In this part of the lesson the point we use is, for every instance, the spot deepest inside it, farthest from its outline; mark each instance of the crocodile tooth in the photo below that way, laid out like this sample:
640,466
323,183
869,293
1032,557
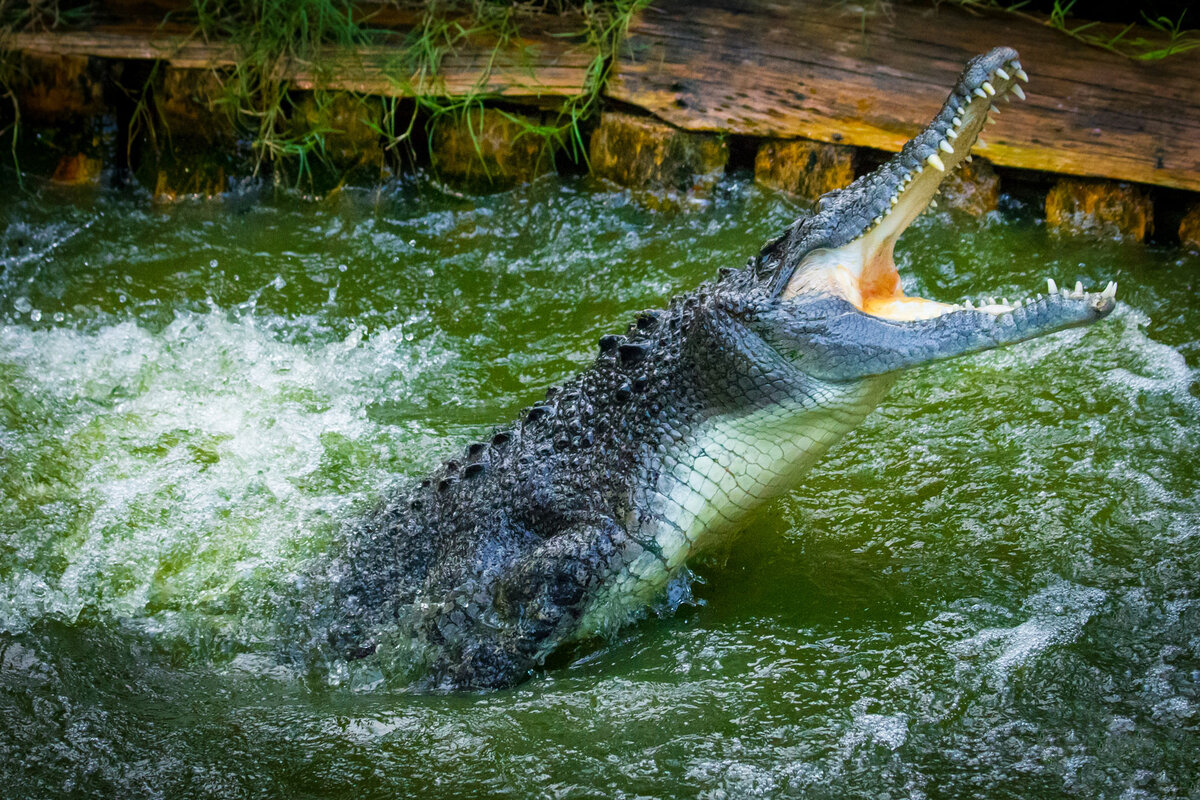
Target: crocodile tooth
968,303
1111,289
934,161
895,199
1021,74
932,203
952,134
980,93
945,146
991,121
1000,71
993,109
957,121
1051,286
1018,91
987,87
969,158
991,301
1078,287
979,141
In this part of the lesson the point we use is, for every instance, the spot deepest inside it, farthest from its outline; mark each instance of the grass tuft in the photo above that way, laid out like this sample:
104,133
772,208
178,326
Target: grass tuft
1174,38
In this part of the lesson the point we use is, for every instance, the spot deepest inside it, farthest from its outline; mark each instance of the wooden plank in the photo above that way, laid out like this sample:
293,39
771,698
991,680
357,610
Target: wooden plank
534,67
808,69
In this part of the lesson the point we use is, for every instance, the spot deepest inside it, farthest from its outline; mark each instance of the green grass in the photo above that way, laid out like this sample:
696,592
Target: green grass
272,36
1170,37
447,28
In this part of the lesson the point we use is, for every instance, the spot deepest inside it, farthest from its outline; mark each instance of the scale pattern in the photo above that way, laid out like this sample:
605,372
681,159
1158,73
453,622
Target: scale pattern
583,513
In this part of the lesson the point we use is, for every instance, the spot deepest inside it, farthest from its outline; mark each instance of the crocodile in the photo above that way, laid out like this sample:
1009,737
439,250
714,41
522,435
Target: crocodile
582,515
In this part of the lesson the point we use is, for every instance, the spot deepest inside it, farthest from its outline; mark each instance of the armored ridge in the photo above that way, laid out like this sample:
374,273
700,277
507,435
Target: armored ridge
497,554
578,517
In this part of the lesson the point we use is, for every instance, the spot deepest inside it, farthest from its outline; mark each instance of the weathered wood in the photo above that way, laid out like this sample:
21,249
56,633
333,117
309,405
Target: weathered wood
808,69
533,67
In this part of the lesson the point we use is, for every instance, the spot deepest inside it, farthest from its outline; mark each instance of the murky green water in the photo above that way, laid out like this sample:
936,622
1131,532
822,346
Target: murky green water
990,589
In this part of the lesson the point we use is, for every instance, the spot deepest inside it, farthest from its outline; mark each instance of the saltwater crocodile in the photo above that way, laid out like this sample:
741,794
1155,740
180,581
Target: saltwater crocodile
582,514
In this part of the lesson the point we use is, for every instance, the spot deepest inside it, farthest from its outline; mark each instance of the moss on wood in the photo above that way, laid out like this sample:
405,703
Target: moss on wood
654,157
802,168
488,150
1102,208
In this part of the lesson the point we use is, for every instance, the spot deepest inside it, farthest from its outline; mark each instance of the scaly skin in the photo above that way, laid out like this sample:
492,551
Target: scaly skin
579,516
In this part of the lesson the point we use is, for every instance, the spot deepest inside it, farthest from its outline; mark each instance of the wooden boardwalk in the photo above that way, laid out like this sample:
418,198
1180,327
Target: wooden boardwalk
813,70
808,68
542,68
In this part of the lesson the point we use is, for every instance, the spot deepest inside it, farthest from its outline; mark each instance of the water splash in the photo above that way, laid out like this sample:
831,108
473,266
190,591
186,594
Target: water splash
988,589
185,467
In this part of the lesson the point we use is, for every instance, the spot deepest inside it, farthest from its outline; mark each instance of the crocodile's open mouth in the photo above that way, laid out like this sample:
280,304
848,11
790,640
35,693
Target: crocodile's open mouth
863,271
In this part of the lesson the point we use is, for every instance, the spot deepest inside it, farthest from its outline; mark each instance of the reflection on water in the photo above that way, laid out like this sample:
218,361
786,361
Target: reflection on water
986,590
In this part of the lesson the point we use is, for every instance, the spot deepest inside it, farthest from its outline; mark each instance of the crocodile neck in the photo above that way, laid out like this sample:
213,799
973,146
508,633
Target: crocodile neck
693,496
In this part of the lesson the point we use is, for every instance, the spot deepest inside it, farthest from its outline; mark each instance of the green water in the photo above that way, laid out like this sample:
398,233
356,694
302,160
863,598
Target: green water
990,589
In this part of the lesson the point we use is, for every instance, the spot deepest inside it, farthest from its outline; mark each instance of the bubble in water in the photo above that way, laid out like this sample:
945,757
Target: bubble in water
35,315
213,263
279,283
23,305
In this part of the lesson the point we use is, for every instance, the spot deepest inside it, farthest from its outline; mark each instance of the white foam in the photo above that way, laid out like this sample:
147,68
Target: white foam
194,459
1057,614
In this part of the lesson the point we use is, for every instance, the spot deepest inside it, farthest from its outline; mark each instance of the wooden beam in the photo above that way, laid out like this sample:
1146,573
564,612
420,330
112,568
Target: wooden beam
820,71
535,67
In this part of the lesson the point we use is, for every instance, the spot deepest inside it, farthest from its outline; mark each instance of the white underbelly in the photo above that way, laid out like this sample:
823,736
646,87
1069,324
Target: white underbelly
709,487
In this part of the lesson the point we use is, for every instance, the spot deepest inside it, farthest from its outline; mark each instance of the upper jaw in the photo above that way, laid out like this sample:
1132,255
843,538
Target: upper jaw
854,232
906,184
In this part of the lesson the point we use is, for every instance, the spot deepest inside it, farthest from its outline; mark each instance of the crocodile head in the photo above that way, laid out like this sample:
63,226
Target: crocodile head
835,306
